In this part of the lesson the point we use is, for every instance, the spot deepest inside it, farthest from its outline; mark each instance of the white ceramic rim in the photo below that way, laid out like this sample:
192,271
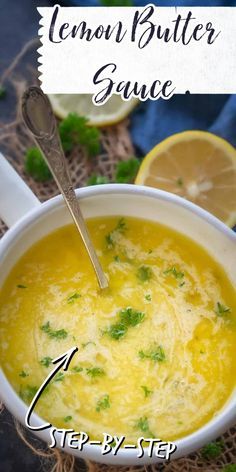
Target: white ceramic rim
222,421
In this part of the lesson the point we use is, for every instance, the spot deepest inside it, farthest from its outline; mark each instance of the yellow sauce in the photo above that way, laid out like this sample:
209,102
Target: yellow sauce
174,366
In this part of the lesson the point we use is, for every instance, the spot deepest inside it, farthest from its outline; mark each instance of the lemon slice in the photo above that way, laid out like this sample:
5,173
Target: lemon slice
198,166
113,111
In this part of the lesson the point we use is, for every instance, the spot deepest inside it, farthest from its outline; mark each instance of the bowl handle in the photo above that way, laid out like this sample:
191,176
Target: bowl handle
16,199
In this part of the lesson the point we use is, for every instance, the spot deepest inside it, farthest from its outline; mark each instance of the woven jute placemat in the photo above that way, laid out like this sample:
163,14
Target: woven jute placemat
116,145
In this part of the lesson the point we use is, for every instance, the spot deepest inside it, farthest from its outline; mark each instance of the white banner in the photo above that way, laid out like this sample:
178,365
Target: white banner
149,52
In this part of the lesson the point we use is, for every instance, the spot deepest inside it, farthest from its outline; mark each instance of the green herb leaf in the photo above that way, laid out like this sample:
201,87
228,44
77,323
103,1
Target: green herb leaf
146,390
21,286
117,259
144,273
212,450
156,354
28,393
173,271
23,374
57,334
67,418
2,92
130,317
74,131
46,361
121,227
36,166
73,297
97,180
77,369
148,297
222,309
126,171
103,403
142,424
117,330
59,377
95,371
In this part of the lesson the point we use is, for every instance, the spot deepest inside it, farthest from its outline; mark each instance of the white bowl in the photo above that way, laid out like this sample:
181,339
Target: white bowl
141,202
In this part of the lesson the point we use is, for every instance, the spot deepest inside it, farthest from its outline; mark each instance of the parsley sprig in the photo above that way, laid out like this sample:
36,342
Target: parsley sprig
128,317
156,354
74,131
46,361
103,403
177,274
121,227
95,371
146,391
36,166
143,425
57,334
144,273
221,309
126,170
212,450
71,299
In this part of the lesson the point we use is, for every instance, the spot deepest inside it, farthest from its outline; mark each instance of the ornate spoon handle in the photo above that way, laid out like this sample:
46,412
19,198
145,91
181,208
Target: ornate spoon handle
39,118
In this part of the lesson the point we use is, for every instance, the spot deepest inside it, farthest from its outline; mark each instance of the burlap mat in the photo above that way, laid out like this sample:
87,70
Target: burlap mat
116,145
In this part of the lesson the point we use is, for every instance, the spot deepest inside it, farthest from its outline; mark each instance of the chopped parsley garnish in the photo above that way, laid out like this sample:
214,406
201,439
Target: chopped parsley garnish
21,286
103,403
23,374
73,297
67,418
146,391
131,317
117,259
120,228
57,334
148,297
117,330
173,271
46,361
95,371
212,450
59,377
144,273
77,369
221,309
28,393
128,317
143,425
156,354
97,180
36,166
74,131
126,170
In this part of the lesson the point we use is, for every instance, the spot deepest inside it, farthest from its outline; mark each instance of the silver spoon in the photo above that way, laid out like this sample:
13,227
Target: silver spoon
40,120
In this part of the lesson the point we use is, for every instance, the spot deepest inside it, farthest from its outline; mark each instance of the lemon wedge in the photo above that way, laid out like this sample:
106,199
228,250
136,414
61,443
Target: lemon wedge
113,111
198,166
